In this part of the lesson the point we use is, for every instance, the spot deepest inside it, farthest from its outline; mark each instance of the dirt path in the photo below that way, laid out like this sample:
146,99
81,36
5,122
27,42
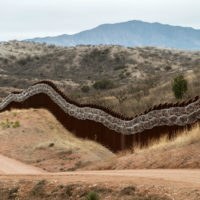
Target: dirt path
175,183
11,166
187,177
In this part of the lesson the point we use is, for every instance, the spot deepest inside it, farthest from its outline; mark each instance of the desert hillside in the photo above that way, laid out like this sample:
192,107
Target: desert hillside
128,80
35,137
180,152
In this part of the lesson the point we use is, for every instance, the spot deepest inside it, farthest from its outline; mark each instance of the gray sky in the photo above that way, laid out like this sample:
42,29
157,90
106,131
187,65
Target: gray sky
20,19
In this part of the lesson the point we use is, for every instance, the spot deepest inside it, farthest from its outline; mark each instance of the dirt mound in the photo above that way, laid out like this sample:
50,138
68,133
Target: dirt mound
35,137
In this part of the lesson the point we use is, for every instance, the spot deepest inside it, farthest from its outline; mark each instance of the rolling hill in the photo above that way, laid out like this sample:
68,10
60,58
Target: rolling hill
133,79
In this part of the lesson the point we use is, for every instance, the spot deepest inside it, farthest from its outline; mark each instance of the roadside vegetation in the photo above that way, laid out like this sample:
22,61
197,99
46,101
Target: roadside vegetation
92,196
9,124
46,190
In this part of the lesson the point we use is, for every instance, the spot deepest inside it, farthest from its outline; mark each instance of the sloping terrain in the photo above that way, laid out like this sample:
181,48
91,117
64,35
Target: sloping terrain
35,137
11,166
128,80
100,124
180,152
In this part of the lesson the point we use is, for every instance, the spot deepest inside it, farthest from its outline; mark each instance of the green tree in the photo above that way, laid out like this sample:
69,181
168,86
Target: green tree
179,86
92,196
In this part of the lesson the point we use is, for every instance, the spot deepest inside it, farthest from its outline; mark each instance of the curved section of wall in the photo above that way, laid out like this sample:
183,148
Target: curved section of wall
101,124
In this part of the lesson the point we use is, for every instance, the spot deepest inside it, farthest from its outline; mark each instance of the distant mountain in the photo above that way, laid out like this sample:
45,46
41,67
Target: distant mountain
131,34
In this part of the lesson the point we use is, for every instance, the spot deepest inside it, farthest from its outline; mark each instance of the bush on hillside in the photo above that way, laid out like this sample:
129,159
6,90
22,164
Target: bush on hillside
179,86
92,196
85,89
103,84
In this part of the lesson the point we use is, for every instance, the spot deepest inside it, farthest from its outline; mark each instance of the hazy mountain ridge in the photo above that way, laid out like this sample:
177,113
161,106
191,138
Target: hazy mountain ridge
131,34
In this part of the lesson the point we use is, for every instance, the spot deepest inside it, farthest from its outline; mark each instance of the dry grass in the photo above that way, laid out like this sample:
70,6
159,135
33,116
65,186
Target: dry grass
180,152
183,138
46,189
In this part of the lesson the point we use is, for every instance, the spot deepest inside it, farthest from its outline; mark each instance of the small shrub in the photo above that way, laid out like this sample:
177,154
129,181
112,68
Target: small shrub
52,46
5,124
130,190
16,124
38,189
119,67
22,61
122,75
92,196
14,114
103,84
128,73
85,89
67,191
168,68
10,124
13,192
51,144
179,86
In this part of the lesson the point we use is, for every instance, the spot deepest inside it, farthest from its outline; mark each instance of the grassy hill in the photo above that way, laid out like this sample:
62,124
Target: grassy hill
128,80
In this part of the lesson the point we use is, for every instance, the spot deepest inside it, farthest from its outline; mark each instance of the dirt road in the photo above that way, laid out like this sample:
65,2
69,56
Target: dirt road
175,183
11,166
185,177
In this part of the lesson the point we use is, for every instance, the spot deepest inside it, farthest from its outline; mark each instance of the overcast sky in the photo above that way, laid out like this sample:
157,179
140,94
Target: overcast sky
21,19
